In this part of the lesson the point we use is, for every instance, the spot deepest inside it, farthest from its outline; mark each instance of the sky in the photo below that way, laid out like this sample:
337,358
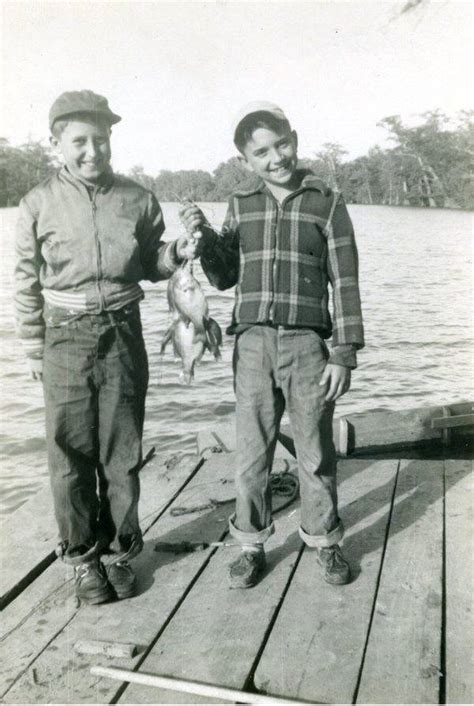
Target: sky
177,72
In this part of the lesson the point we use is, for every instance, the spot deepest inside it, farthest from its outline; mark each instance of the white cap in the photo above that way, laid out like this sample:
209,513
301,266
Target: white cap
256,107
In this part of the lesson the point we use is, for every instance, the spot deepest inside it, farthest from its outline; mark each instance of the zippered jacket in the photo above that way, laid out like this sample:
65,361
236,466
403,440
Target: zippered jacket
84,249
282,258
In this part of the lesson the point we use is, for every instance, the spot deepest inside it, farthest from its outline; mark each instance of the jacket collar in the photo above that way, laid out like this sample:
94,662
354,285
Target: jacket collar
307,181
103,184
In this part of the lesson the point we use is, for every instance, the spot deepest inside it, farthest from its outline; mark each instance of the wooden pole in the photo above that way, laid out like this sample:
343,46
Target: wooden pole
189,687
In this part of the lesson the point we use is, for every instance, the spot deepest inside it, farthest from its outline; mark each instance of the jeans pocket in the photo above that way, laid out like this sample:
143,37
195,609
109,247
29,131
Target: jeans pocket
249,363
311,361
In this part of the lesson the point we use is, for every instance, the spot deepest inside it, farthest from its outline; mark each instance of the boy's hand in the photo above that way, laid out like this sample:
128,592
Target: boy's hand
337,379
188,246
192,217
36,368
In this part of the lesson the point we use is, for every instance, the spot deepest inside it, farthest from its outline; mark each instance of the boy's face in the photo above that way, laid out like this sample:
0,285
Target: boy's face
272,156
85,147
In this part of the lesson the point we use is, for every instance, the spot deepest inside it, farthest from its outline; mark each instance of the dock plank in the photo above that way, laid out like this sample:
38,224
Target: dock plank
216,634
47,605
403,657
29,546
459,633
25,543
316,646
58,675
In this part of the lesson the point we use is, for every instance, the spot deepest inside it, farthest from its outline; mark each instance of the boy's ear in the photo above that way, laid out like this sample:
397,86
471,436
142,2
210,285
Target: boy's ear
54,142
244,163
294,135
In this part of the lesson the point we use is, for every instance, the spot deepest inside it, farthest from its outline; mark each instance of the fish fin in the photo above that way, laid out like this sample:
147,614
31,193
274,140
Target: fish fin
213,336
167,338
216,330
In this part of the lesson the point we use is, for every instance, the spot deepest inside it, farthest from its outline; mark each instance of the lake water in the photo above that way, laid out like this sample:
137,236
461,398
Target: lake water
416,285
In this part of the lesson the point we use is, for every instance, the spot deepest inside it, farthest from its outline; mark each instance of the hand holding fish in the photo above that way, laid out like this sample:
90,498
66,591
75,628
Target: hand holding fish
188,246
192,218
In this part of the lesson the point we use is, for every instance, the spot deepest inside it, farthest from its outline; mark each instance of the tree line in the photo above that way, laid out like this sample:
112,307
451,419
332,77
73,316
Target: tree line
430,164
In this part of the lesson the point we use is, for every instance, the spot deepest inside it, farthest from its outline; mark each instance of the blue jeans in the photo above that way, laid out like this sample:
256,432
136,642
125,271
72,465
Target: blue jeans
274,368
95,379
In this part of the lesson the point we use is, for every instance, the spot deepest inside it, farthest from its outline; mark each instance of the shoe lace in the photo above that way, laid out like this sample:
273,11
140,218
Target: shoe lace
82,570
333,555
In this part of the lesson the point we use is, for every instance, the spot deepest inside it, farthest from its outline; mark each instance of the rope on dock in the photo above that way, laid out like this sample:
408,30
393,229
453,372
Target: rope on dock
283,484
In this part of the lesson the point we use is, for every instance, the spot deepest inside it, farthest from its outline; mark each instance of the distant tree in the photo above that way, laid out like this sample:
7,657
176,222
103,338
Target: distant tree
195,185
433,158
137,173
356,181
330,157
23,167
231,176
430,164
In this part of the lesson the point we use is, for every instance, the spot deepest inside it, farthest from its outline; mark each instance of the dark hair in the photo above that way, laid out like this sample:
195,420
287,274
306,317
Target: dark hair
252,122
60,124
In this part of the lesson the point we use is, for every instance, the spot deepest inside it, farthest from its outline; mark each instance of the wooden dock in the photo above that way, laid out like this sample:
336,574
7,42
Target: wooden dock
401,632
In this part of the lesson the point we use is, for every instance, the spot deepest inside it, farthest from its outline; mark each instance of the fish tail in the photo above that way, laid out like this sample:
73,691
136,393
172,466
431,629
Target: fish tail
187,376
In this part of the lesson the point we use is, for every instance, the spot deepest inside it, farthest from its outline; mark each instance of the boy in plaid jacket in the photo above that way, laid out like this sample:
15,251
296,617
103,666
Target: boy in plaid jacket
282,243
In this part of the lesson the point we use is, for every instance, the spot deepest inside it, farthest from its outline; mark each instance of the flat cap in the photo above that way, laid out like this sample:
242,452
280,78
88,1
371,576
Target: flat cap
81,102
257,107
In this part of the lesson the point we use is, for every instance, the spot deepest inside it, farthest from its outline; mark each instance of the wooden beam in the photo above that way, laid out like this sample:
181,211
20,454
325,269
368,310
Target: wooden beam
462,420
189,687
403,657
459,631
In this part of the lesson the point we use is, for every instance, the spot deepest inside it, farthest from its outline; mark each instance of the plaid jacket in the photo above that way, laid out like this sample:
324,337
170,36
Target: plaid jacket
281,257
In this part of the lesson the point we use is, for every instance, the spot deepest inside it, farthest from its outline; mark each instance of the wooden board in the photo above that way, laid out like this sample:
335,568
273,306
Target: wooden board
29,535
216,634
47,605
62,676
316,646
217,439
459,633
403,657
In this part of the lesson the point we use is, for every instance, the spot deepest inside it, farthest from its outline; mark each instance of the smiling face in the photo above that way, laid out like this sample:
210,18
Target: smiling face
272,156
85,147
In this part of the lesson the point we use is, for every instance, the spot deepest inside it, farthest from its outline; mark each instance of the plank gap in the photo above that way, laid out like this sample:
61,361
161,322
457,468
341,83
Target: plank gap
35,657
199,465
442,673
36,571
28,579
123,687
249,682
377,585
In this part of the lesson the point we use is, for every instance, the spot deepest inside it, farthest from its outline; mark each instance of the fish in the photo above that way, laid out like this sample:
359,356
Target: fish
192,330
186,297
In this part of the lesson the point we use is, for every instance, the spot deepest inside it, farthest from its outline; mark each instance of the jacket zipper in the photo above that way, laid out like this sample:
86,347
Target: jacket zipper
98,254
271,312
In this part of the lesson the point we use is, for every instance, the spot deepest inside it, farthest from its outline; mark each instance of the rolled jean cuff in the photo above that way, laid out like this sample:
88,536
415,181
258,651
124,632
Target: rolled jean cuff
323,540
250,537
135,548
61,551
